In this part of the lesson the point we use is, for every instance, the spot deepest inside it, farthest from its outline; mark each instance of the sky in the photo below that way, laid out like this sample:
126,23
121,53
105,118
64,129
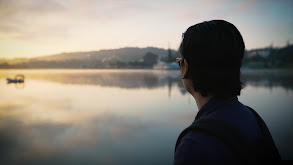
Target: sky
30,28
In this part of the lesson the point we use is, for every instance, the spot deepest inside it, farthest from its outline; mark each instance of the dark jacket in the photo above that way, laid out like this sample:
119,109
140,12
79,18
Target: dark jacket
198,147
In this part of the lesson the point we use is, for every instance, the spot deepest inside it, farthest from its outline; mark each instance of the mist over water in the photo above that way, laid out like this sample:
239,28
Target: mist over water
119,116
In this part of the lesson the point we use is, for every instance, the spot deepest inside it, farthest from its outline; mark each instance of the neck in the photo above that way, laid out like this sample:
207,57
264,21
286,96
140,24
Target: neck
200,100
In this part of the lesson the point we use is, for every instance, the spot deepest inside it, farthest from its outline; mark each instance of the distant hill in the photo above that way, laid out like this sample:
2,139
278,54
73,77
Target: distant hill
123,54
129,57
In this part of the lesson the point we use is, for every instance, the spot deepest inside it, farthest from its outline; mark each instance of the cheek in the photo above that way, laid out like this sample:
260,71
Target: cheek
188,85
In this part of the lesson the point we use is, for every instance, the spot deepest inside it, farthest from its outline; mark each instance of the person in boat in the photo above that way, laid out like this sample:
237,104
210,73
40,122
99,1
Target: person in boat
211,55
18,79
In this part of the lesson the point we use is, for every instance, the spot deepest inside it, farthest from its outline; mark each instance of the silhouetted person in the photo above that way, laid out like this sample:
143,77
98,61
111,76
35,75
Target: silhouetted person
224,131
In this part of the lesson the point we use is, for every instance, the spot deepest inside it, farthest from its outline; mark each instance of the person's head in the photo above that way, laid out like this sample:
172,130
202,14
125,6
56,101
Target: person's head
212,53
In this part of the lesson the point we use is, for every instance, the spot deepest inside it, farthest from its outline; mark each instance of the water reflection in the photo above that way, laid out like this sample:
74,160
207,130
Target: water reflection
149,79
17,85
129,79
118,116
269,78
112,78
96,141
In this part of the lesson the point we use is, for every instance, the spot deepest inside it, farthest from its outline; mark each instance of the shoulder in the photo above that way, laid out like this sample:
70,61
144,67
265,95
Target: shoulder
190,151
239,116
203,148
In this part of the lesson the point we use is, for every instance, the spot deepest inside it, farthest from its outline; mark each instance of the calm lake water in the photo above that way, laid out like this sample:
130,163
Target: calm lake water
119,116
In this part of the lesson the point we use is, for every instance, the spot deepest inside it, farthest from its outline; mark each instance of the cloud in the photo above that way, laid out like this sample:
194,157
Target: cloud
32,19
35,19
53,26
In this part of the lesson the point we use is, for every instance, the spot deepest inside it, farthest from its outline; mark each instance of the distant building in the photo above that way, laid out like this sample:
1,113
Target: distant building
258,52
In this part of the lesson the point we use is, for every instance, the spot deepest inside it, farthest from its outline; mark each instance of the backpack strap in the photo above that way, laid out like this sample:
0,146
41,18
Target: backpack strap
224,131
266,148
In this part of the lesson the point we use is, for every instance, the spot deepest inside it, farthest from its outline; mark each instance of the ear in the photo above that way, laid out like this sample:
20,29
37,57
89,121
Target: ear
185,69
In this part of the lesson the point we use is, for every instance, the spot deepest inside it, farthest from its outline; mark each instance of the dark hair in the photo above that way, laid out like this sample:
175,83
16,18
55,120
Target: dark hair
214,51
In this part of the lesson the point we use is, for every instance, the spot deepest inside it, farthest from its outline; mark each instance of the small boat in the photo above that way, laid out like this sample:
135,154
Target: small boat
18,79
